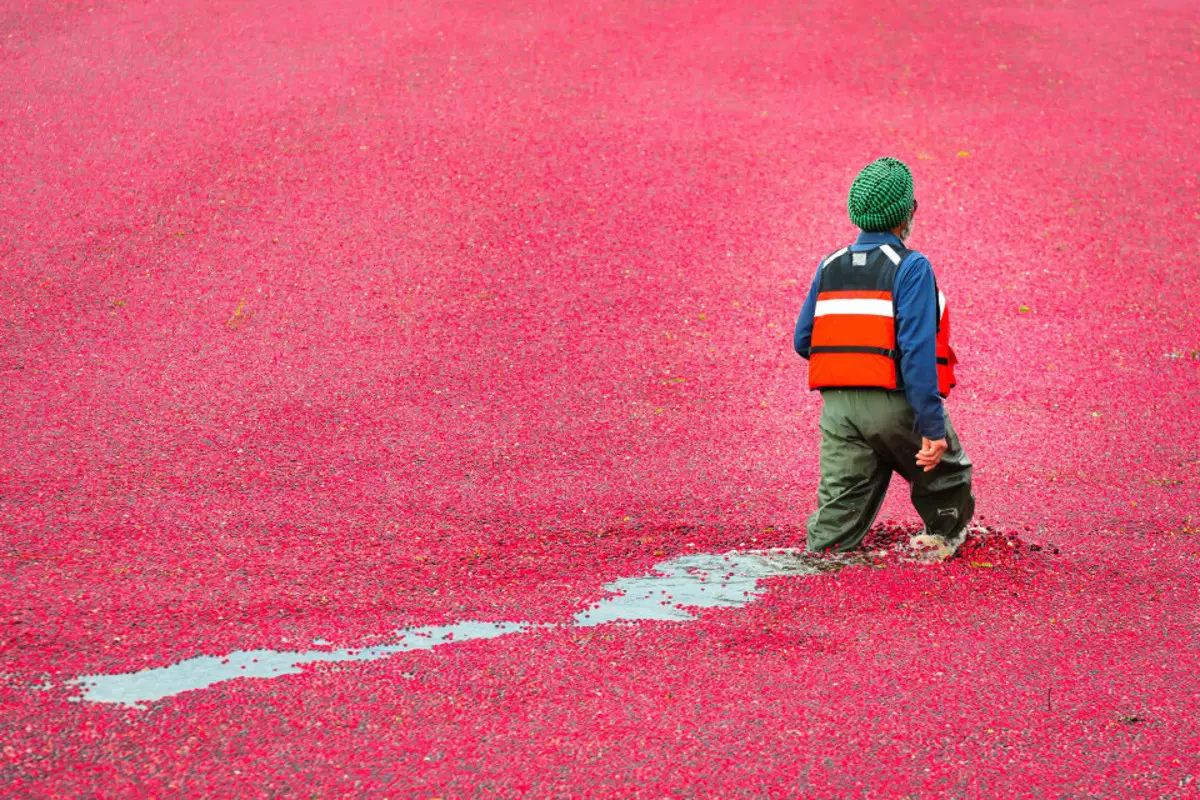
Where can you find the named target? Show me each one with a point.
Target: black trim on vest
(878, 274)
(871, 351)
(937, 307)
(945, 362)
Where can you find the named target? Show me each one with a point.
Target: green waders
(866, 434)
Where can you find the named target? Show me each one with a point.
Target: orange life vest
(854, 325)
(945, 353)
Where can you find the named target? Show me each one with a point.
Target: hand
(931, 453)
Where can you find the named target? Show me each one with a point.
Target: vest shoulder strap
(895, 253)
(834, 256)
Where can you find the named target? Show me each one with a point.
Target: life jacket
(854, 325)
(945, 353)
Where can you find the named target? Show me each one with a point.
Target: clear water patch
(668, 593)
(703, 580)
(148, 685)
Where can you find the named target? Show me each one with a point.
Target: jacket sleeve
(802, 338)
(916, 336)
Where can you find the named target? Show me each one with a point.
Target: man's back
(913, 292)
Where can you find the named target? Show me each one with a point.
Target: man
(876, 333)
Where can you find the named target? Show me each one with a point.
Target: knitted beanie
(881, 197)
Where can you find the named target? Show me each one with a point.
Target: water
(703, 580)
(148, 685)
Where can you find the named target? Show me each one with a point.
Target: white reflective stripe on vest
(941, 303)
(890, 253)
(836, 255)
(874, 308)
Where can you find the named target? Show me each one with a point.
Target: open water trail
(702, 580)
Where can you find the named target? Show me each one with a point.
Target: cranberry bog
(399, 400)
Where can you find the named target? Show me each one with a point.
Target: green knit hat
(881, 197)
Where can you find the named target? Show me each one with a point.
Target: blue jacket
(916, 332)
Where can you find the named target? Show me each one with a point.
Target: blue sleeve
(916, 336)
(802, 338)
